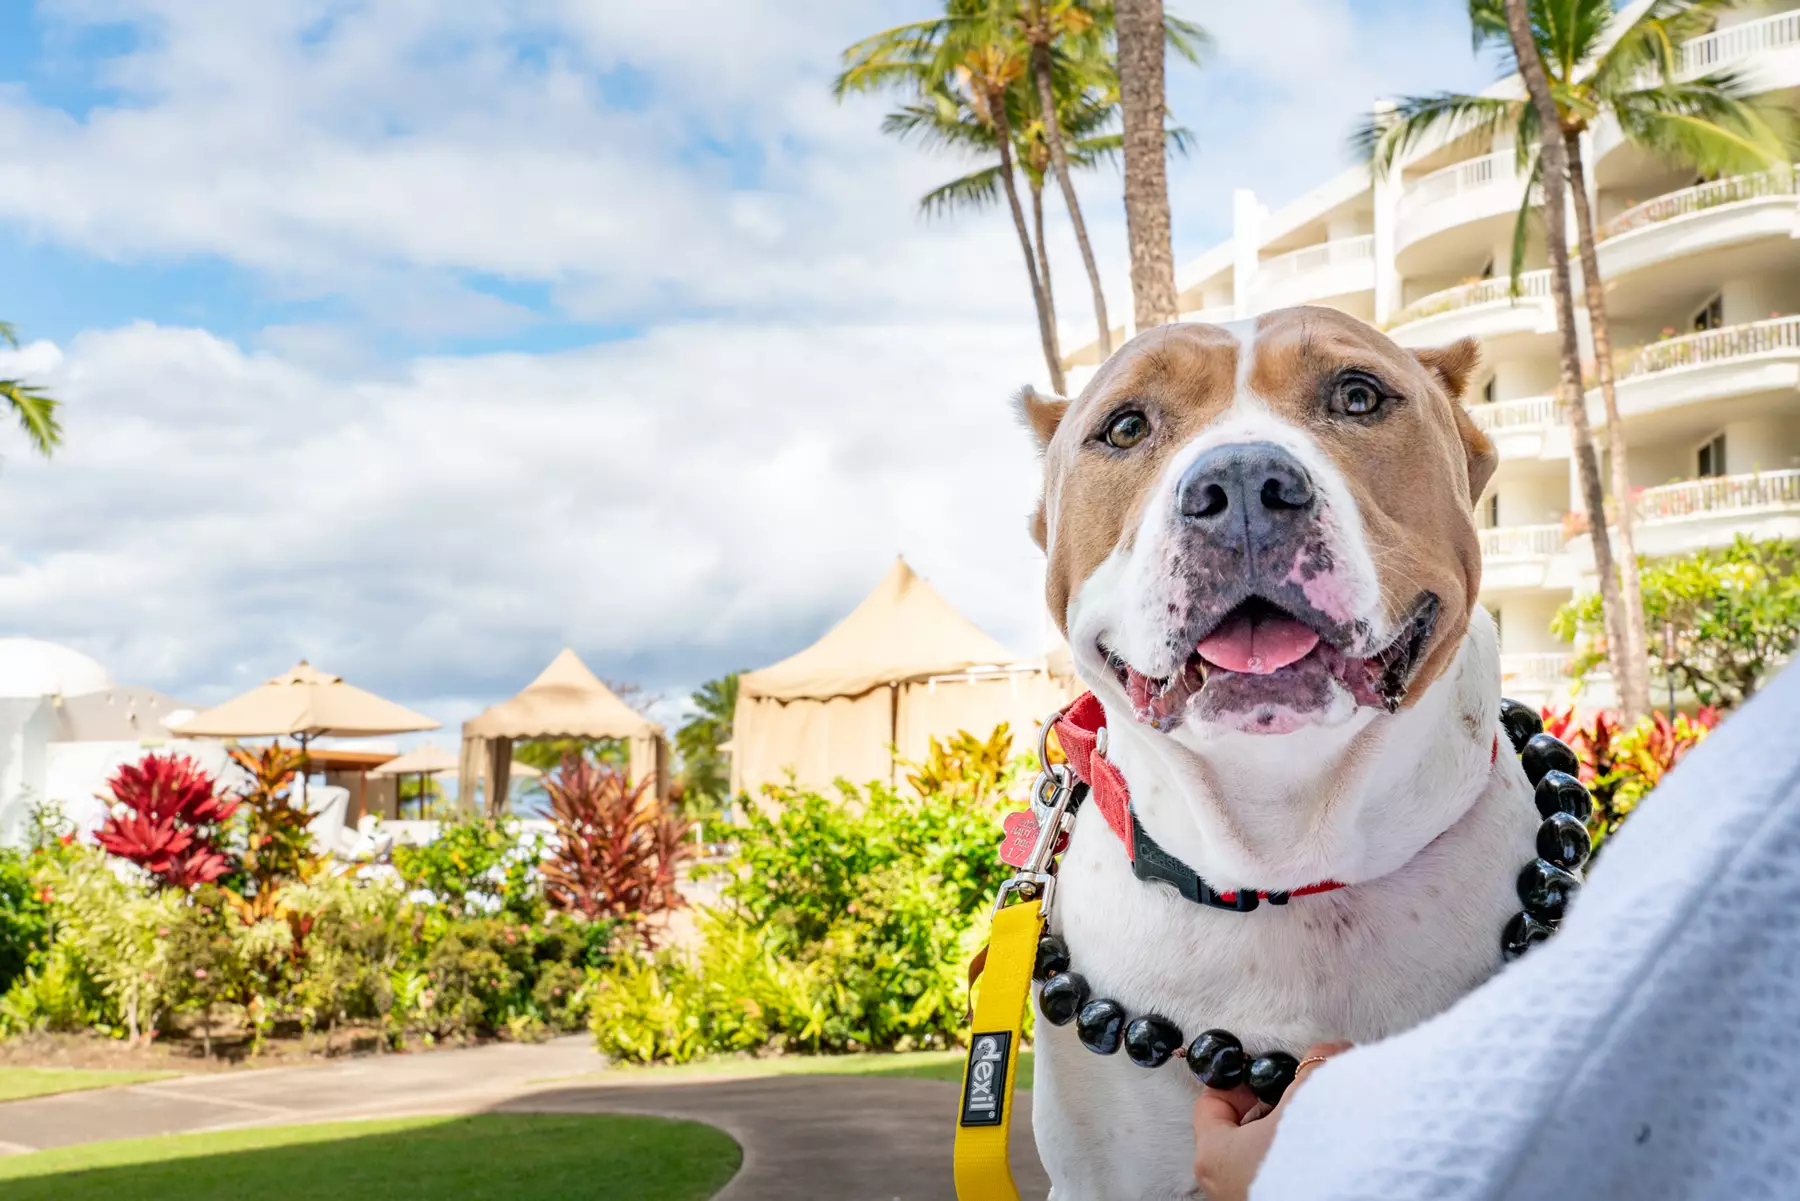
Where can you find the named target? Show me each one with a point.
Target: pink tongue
(1257, 645)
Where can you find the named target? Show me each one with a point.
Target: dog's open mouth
(1263, 668)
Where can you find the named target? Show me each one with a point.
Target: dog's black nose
(1254, 487)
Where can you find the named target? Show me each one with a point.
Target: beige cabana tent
(902, 667)
(566, 701)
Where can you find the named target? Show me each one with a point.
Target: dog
(1261, 549)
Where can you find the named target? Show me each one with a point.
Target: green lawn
(924, 1065)
(489, 1157)
(18, 1083)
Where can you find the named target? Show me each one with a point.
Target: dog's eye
(1127, 430)
(1357, 396)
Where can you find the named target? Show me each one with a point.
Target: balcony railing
(1719, 192)
(1547, 669)
(1522, 541)
(1454, 180)
(1296, 263)
(1714, 346)
(1532, 284)
(1723, 47)
(1515, 414)
(1756, 491)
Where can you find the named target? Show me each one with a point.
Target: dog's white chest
(1356, 964)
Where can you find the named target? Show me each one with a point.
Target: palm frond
(1107, 148)
(973, 192)
(1528, 204)
(1384, 137)
(8, 334)
(1186, 38)
(894, 55)
(36, 413)
(1710, 123)
(938, 127)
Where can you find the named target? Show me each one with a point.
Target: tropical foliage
(705, 767)
(1727, 618)
(36, 412)
(617, 847)
(1621, 763)
(846, 924)
(475, 866)
(167, 818)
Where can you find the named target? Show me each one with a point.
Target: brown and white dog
(1262, 552)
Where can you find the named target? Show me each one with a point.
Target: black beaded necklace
(1217, 1057)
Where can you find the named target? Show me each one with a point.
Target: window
(1487, 389)
(1491, 511)
(1709, 460)
(1711, 315)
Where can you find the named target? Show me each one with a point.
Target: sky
(420, 340)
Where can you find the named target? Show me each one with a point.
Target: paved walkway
(833, 1138)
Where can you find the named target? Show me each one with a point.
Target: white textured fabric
(1650, 1050)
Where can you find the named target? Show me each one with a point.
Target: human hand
(1233, 1130)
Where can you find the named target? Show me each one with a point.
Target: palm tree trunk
(1059, 162)
(1043, 261)
(1574, 399)
(1634, 686)
(1046, 330)
(1139, 25)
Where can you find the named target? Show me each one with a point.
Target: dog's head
(1263, 527)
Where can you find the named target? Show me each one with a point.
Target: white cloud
(670, 504)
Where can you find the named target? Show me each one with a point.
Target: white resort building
(1702, 282)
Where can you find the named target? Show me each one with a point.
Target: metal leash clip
(1054, 796)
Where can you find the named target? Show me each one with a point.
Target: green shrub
(24, 917)
(54, 993)
(847, 922)
(477, 865)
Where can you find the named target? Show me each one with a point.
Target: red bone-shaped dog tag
(1021, 836)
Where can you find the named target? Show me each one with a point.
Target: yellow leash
(984, 1125)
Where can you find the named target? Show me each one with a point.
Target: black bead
(1545, 890)
(1520, 721)
(1270, 1074)
(1052, 957)
(1561, 792)
(1149, 1041)
(1101, 1026)
(1564, 841)
(1063, 997)
(1522, 933)
(1546, 752)
(1216, 1059)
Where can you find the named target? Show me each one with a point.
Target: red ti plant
(166, 820)
(1620, 764)
(617, 848)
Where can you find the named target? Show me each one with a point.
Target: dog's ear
(1452, 364)
(1478, 451)
(1041, 414)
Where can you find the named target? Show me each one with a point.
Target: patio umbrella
(429, 759)
(304, 703)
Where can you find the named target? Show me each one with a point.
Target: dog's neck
(1348, 803)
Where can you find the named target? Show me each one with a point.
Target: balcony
(1329, 271)
(1678, 518)
(1670, 231)
(1535, 675)
(1708, 369)
(1436, 208)
(1532, 428)
(1524, 558)
(1483, 309)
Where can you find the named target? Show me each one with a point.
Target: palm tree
(704, 769)
(35, 411)
(1140, 25)
(1591, 69)
(971, 62)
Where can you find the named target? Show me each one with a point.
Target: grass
(18, 1083)
(489, 1157)
(922, 1065)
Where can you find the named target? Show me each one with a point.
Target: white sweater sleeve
(1650, 1050)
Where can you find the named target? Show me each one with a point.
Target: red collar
(1078, 733)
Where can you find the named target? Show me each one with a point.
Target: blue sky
(424, 339)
